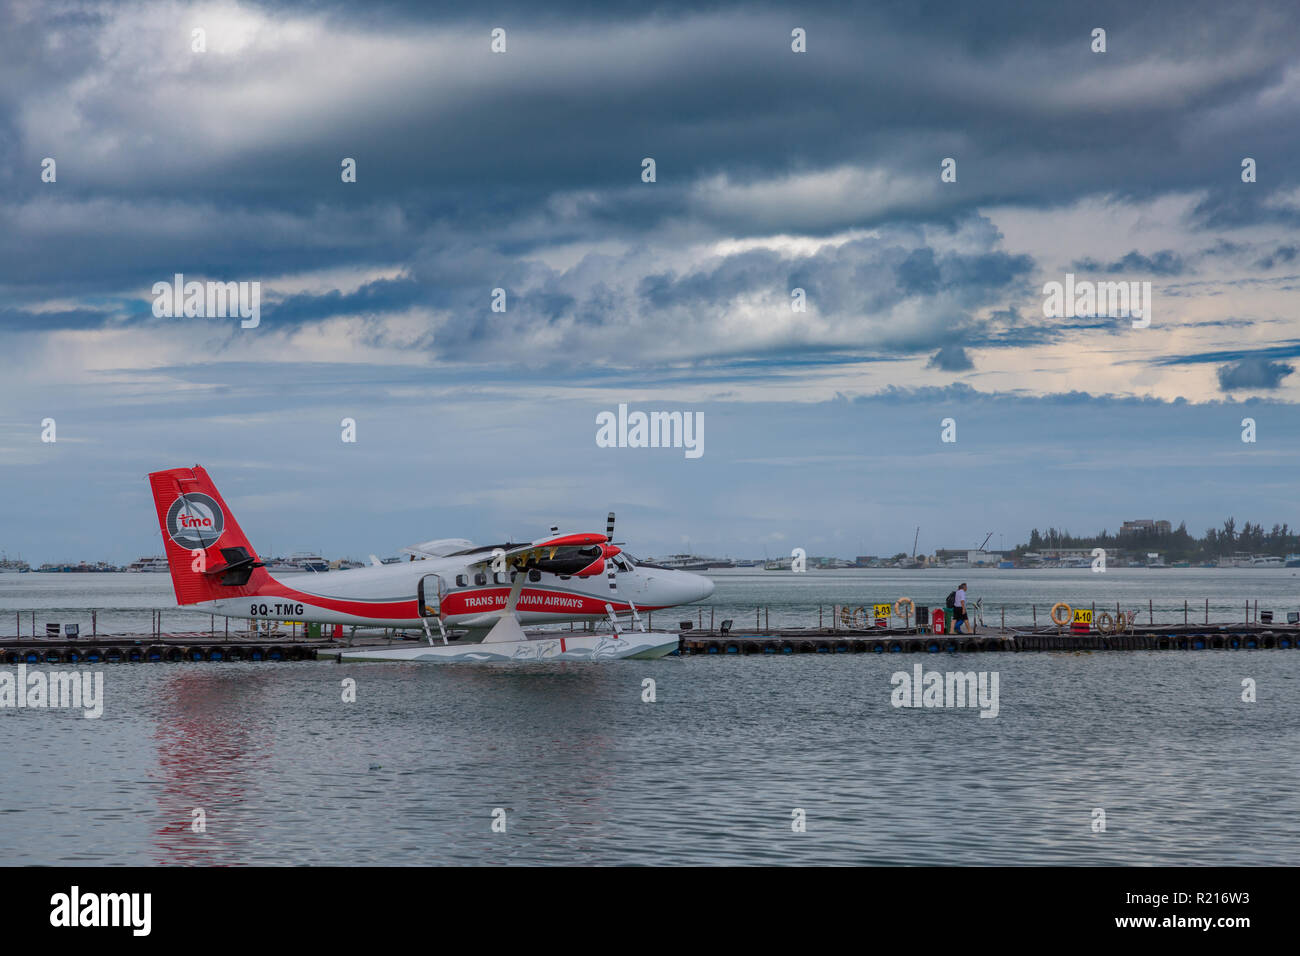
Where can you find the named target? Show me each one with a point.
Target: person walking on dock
(959, 608)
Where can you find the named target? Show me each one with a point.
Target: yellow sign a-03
(883, 610)
(1083, 615)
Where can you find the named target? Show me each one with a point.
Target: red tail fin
(207, 552)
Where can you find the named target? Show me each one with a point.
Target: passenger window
(534, 575)
(462, 581)
(499, 577)
(480, 579)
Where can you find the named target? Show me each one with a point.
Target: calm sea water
(588, 772)
(124, 602)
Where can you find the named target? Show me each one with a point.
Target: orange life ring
(1069, 612)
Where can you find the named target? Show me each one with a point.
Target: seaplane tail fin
(207, 552)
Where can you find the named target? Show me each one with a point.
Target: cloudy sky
(522, 170)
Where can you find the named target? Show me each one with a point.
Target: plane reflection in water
(208, 761)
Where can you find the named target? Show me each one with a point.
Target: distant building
(981, 559)
(1145, 524)
(1067, 554)
(966, 558)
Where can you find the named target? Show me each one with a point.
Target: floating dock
(154, 648)
(883, 641)
(200, 646)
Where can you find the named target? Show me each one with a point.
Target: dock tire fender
(1062, 621)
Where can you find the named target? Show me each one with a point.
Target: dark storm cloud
(374, 297)
(17, 320)
(1253, 373)
(610, 310)
(1282, 255)
(469, 162)
(1290, 349)
(1163, 263)
(713, 89)
(951, 358)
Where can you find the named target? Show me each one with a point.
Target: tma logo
(195, 521)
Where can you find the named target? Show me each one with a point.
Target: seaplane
(478, 597)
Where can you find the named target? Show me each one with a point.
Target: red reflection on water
(207, 749)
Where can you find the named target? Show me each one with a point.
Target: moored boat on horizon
(154, 564)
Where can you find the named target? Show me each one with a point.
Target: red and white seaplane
(486, 592)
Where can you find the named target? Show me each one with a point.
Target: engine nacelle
(607, 551)
(596, 567)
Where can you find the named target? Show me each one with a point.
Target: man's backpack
(951, 600)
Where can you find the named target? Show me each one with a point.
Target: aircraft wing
(582, 554)
(439, 548)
